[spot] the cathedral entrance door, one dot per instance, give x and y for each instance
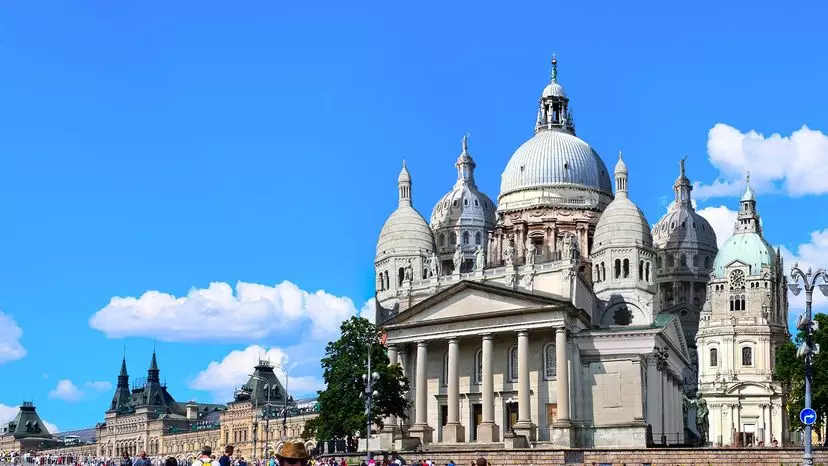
(511, 415)
(443, 421)
(477, 419)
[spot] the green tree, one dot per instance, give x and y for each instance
(790, 372)
(341, 404)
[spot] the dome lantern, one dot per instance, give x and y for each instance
(621, 176)
(553, 111)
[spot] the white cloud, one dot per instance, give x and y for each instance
(8, 413)
(369, 310)
(721, 219)
(99, 386)
(251, 313)
(813, 254)
(67, 391)
(796, 164)
(222, 377)
(10, 347)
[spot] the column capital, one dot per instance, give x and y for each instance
(392, 346)
(422, 344)
(487, 336)
(453, 341)
(523, 333)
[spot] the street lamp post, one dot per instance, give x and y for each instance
(285, 405)
(369, 378)
(808, 280)
(662, 354)
(267, 417)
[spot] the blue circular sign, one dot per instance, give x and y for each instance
(808, 416)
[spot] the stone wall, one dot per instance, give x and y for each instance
(628, 457)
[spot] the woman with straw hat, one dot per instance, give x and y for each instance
(293, 454)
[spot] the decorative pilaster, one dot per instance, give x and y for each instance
(561, 434)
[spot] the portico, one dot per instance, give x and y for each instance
(480, 373)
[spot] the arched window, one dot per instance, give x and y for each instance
(658, 262)
(671, 261)
(478, 367)
(452, 239)
(477, 238)
(695, 260)
(626, 268)
(445, 369)
(465, 237)
(387, 282)
(714, 357)
(549, 361)
(597, 273)
(647, 272)
(641, 270)
(683, 260)
(603, 272)
(442, 239)
(747, 356)
(513, 364)
(617, 268)
(401, 274)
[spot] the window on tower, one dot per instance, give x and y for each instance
(626, 268)
(477, 238)
(747, 356)
(465, 237)
(714, 357)
(617, 273)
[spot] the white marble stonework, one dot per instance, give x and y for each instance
(535, 320)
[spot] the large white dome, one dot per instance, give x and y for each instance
(555, 159)
(465, 203)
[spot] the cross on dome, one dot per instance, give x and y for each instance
(554, 75)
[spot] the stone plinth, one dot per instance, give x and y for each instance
(454, 433)
(488, 432)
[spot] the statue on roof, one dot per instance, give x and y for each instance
(466, 143)
(479, 258)
(458, 258)
(681, 165)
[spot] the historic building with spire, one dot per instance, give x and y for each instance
(743, 322)
(556, 315)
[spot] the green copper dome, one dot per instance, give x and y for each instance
(749, 248)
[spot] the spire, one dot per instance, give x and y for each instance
(123, 376)
(553, 76)
(152, 373)
(465, 164)
(682, 186)
(404, 186)
(621, 176)
(749, 195)
(747, 220)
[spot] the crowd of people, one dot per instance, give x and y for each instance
(291, 454)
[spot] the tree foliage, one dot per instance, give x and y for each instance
(341, 406)
(790, 372)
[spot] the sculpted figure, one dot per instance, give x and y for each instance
(409, 272)
(530, 252)
(509, 254)
(433, 263)
(458, 258)
(479, 258)
(702, 423)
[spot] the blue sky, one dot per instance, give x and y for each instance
(153, 149)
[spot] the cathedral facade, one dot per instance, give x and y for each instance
(557, 315)
(743, 322)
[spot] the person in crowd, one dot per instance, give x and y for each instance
(125, 460)
(171, 462)
(293, 454)
(227, 457)
(142, 460)
(206, 458)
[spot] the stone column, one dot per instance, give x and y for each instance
(453, 431)
(560, 434)
(421, 429)
(392, 359)
(487, 431)
(524, 425)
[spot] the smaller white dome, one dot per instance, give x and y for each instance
(463, 202)
(622, 224)
(405, 232)
(682, 227)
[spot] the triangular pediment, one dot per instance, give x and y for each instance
(471, 299)
(673, 333)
